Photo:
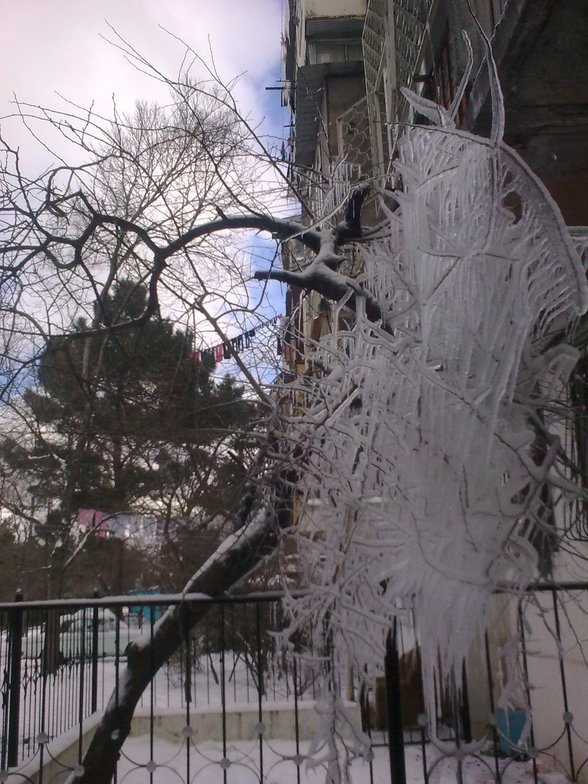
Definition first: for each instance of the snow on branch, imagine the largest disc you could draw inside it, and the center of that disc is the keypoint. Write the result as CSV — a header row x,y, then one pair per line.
x,y
322,274
432,495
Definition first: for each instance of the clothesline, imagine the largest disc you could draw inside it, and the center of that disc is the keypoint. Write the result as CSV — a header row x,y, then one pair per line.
x,y
234,345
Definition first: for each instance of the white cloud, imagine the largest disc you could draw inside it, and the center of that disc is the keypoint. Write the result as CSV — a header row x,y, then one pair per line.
x,y
57,47
49,46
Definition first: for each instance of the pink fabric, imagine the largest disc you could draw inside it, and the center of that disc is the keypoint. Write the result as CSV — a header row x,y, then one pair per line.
x,y
93,520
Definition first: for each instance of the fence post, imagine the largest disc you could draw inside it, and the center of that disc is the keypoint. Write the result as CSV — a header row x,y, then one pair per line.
x,y
94,684
394,700
466,720
15,636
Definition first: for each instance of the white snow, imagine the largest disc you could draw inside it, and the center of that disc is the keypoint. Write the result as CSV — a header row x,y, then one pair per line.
x,y
280,759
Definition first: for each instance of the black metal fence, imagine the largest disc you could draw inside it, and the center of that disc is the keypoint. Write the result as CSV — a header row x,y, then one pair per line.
x,y
234,700
230,698
519,712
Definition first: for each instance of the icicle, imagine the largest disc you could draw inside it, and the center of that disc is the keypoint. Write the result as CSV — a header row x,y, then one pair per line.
x,y
434,420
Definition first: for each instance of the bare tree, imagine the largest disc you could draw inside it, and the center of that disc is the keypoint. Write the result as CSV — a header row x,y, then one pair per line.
x,y
157,198
425,407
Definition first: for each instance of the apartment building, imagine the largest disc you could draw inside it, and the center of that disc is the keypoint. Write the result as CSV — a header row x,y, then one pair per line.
x,y
539,48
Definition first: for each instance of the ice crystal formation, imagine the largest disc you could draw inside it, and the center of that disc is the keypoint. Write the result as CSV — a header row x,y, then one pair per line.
x,y
423,491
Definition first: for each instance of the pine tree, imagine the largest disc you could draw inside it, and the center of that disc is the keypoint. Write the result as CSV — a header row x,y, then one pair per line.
x,y
129,422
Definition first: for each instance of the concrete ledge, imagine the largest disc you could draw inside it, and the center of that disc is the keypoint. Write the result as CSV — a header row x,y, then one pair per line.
x,y
241,722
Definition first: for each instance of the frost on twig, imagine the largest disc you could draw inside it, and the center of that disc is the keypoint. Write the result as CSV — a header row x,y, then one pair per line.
x,y
425,483
339,741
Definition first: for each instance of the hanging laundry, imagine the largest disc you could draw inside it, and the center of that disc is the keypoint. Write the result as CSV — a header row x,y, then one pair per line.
x,y
93,520
238,343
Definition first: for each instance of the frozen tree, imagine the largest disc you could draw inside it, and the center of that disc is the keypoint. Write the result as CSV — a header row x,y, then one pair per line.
x,y
417,442
438,422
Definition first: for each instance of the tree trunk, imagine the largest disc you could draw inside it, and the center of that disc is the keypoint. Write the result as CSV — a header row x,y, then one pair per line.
x,y
240,553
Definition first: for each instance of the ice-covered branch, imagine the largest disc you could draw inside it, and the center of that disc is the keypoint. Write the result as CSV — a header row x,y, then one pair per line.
x,y
322,274
431,481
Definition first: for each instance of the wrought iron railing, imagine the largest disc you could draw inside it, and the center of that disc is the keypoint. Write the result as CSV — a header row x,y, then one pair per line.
x,y
230,697
534,664
234,699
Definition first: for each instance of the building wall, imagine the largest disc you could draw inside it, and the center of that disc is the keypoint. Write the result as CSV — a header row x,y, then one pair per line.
x,y
334,8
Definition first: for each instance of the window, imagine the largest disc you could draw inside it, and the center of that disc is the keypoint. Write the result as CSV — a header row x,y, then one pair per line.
x,y
334,52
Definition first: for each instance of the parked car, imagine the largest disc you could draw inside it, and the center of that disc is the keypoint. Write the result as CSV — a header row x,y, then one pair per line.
x,y
76,635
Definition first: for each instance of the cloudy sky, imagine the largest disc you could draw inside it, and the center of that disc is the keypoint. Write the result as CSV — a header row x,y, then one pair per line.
x,y
57,46
53,48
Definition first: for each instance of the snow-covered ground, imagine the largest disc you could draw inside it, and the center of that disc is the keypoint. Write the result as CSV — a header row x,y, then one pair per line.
x,y
279,765
161,761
